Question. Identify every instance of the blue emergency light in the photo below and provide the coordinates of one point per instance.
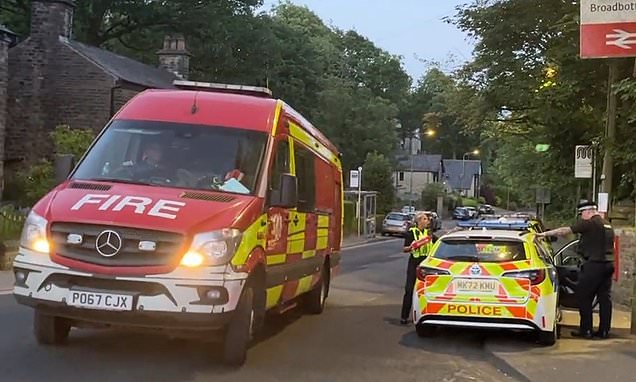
(495, 224)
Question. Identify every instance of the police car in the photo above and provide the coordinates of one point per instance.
(484, 278)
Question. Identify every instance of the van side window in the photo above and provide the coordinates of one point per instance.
(305, 172)
(281, 163)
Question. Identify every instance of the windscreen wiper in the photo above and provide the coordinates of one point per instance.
(124, 181)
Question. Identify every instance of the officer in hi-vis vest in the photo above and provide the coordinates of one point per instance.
(418, 242)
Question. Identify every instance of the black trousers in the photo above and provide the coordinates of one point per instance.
(411, 275)
(595, 280)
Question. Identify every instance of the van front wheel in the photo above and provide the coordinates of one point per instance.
(239, 331)
(50, 330)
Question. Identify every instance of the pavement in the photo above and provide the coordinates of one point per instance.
(6, 282)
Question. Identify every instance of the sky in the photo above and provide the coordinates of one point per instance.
(412, 29)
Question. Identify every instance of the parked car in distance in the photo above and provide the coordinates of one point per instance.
(396, 223)
(486, 209)
(473, 212)
(461, 213)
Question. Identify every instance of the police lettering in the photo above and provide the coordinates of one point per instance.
(476, 310)
(166, 209)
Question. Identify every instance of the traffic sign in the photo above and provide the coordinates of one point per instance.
(583, 156)
(354, 179)
(608, 28)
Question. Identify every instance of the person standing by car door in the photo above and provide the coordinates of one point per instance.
(417, 242)
(597, 247)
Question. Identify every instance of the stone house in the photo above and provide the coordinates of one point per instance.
(48, 79)
(463, 176)
(414, 173)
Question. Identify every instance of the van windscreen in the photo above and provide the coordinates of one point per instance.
(176, 155)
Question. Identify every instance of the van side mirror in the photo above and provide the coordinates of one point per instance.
(64, 164)
(287, 195)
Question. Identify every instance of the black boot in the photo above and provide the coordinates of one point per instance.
(585, 335)
(602, 334)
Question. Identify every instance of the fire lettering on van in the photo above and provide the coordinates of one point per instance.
(476, 310)
(166, 209)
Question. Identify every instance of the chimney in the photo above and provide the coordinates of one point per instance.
(51, 19)
(174, 57)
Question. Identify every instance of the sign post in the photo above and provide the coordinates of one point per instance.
(359, 197)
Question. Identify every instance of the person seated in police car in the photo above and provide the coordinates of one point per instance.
(417, 242)
(595, 279)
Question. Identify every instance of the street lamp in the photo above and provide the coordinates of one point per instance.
(475, 153)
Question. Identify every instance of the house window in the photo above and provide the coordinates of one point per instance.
(401, 176)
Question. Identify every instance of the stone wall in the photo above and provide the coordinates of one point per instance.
(80, 93)
(123, 95)
(623, 290)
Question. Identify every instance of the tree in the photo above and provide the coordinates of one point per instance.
(376, 176)
(531, 87)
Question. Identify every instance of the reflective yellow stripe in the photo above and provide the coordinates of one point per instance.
(300, 134)
(295, 246)
(279, 108)
(309, 254)
(251, 240)
(273, 296)
(323, 221)
(276, 259)
(304, 285)
(292, 157)
(322, 242)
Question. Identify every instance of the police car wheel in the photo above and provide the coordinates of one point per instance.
(425, 331)
(549, 338)
(50, 330)
(239, 331)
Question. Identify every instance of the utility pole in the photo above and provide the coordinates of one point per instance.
(607, 177)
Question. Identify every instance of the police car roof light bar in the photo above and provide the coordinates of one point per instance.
(224, 88)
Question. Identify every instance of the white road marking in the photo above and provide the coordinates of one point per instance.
(369, 244)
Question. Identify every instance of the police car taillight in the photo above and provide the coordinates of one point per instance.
(422, 272)
(536, 276)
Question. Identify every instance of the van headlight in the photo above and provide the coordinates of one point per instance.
(212, 248)
(34, 234)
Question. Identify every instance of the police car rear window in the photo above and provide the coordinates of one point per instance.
(483, 251)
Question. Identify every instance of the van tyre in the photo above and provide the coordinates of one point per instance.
(50, 330)
(239, 331)
(314, 301)
(425, 331)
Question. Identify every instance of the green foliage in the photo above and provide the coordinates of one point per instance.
(11, 222)
(349, 217)
(376, 176)
(469, 202)
(72, 141)
(33, 183)
(430, 194)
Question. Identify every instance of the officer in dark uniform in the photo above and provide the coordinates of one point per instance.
(595, 279)
(417, 242)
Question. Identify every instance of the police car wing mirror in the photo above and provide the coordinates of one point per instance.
(64, 164)
(287, 195)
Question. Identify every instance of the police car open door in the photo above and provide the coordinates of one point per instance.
(568, 262)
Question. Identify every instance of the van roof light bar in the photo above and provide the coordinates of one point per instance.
(224, 88)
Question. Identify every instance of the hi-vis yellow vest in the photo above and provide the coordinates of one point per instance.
(423, 250)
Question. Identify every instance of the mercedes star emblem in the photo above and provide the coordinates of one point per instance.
(108, 243)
